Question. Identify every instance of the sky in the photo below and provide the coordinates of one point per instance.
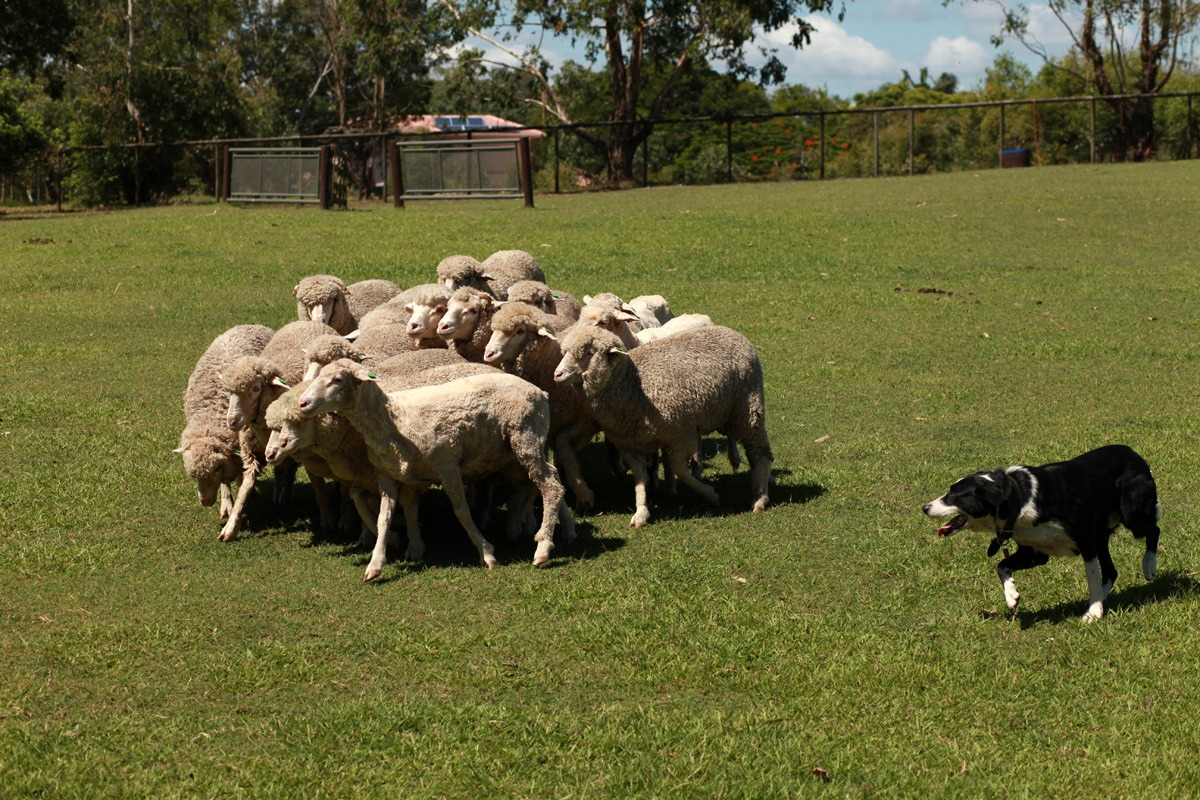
(879, 38)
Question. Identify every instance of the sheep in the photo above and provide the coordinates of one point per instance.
(466, 325)
(668, 394)
(325, 298)
(684, 322)
(249, 383)
(419, 307)
(465, 429)
(523, 341)
(207, 444)
(652, 310)
(621, 323)
(323, 349)
(495, 275)
(552, 301)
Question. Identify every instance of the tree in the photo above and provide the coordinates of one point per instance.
(1125, 47)
(630, 36)
(21, 133)
(32, 31)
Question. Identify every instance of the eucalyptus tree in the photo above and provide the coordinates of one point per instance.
(628, 36)
(1127, 50)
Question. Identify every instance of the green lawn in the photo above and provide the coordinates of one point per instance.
(832, 646)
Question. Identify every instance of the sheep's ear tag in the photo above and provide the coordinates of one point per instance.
(544, 331)
(618, 349)
(295, 290)
(280, 382)
(372, 376)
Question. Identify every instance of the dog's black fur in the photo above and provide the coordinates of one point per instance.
(1066, 508)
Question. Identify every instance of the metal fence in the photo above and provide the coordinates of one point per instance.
(461, 169)
(805, 145)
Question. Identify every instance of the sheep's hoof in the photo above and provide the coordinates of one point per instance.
(489, 560)
(640, 519)
(543, 553)
(371, 574)
(227, 536)
(585, 498)
(760, 504)
(414, 553)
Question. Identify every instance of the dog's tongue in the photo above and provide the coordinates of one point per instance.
(952, 525)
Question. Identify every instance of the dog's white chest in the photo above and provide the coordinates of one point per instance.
(1049, 538)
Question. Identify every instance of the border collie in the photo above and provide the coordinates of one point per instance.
(1062, 509)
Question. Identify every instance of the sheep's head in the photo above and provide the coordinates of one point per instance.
(334, 388)
(583, 348)
(513, 326)
(463, 312)
(248, 382)
(606, 317)
(322, 298)
(324, 349)
(290, 430)
(455, 272)
(209, 458)
(535, 293)
(426, 312)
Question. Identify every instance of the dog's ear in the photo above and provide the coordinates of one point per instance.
(998, 488)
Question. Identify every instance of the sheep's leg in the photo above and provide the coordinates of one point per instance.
(520, 506)
(324, 509)
(226, 501)
(410, 494)
(677, 462)
(452, 485)
(388, 491)
(368, 516)
(250, 470)
(760, 458)
(285, 478)
(568, 466)
(348, 515)
(567, 520)
(637, 463)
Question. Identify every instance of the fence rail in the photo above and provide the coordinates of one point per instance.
(801, 145)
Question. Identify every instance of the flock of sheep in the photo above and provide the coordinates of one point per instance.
(380, 392)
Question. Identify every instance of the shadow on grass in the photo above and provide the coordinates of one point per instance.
(447, 544)
(1167, 585)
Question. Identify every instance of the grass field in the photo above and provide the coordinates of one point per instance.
(831, 646)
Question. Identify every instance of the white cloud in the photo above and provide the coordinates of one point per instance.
(960, 56)
(834, 58)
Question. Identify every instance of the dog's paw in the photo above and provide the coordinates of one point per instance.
(1149, 565)
(1011, 595)
(1095, 611)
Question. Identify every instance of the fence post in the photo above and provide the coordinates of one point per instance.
(821, 152)
(1188, 127)
(1092, 134)
(1000, 152)
(397, 175)
(875, 121)
(557, 131)
(525, 162)
(729, 151)
(912, 135)
(226, 174)
(324, 162)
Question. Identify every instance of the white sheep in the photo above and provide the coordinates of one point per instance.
(207, 444)
(652, 310)
(667, 395)
(462, 430)
(684, 322)
(466, 325)
(325, 298)
(552, 301)
(249, 383)
(419, 307)
(494, 275)
(523, 342)
(609, 312)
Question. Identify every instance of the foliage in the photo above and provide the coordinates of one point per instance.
(21, 132)
(829, 647)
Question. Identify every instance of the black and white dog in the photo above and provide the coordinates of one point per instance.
(1062, 509)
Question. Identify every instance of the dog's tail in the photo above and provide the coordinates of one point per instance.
(1140, 511)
